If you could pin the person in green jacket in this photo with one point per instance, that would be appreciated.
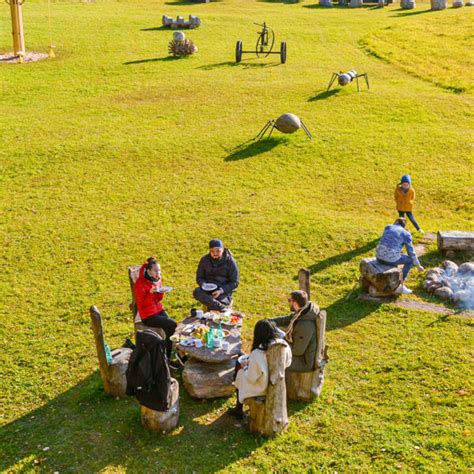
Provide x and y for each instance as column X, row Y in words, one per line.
column 300, row 331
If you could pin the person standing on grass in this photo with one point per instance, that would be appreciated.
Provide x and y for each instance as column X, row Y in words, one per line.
column 149, row 293
column 217, row 276
column 405, row 198
column 389, row 250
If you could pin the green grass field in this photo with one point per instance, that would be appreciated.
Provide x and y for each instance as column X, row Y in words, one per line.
column 113, row 152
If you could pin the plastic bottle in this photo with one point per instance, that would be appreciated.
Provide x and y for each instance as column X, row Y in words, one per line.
column 220, row 332
column 108, row 354
column 210, row 339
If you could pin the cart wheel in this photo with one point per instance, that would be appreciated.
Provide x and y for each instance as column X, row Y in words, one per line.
column 283, row 52
column 238, row 51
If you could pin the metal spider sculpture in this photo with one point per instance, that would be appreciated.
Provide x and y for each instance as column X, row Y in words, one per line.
column 343, row 78
column 286, row 123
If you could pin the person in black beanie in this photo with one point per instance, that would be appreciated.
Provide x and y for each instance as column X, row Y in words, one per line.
column 217, row 276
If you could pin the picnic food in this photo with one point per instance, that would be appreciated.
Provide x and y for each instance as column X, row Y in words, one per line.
column 201, row 332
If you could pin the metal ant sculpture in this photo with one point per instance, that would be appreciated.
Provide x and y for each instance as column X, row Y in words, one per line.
column 346, row 77
column 286, row 123
column 264, row 46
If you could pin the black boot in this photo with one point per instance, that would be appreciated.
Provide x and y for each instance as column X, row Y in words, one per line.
column 237, row 411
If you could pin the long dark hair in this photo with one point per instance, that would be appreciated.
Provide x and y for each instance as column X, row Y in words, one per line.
column 263, row 334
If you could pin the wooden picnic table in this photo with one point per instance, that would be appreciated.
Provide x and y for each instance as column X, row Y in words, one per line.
column 209, row 373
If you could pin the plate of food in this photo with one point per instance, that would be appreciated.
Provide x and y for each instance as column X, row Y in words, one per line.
column 188, row 342
column 164, row 289
column 176, row 338
column 221, row 318
column 209, row 287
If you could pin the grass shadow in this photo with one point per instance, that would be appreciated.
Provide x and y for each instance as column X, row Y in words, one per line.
column 84, row 430
column 242, row 64
column 343, row 257
column 153, row 60
column 182, row 2
column 247, row 150
column 324, row 95
column 403, row 13
column 157, row 28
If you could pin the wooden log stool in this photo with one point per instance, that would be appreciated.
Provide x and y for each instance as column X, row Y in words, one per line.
column 450, row 242
column 163, row 421
column 209, row 380
column 113, row 374
column 133, row 273
column 378, row 279
column 269, row 415
column 307, row 385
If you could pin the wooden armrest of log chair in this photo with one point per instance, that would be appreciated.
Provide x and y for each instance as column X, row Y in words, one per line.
column 113, row 374
column 307, row 385
column 269, row 415
column 163, row 420
column 133, row 273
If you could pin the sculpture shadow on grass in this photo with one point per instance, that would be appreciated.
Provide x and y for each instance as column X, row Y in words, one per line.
column 253, row 148
column 324, row 95
column 153, row 60
column 182, row 2
column 401, row 12
column 242, row 64
column 84, row 430
column 157, row 28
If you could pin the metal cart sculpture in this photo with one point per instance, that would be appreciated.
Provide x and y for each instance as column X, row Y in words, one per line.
column 286, row 123
column 346, row 77
column 264, row 46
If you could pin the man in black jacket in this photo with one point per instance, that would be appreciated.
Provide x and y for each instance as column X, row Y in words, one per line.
column 217, row 276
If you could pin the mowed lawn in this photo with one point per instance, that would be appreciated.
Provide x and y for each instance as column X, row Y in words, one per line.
column 113, row 152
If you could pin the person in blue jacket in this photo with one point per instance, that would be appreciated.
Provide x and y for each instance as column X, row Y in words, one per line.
column 217, row 276
column 389, row 250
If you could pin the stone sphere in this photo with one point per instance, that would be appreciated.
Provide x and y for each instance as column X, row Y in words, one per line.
column 466, row 268
column 179, row 36
column 444, row 293
column 288, row 123
column 344, row 79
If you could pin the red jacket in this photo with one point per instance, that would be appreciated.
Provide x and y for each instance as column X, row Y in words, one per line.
column 148, row 303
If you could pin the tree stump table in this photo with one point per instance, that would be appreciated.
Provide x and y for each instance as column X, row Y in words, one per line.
column 209, row 373
column 154, row 420
column 378, row 279
column 113, row 374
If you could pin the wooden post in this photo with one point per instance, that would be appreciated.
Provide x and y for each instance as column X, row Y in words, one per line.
column 270, row 417
column 17, row 27
column 114, row 374
column 304, row 279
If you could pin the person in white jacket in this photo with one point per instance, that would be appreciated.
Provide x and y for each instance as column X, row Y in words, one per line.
column 252, row 371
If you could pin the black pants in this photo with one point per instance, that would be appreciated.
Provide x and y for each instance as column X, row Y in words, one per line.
column 411, row 217
column 163, row 321
column 207, row 299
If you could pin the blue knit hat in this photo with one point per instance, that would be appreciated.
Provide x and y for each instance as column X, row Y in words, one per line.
column 216, row 243
column 406, row 179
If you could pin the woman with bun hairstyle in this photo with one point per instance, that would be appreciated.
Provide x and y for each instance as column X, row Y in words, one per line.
column 149, row 296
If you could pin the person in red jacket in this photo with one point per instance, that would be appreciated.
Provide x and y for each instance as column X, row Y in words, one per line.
column 149, row 294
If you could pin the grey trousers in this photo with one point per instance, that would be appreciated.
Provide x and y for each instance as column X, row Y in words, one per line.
column 206, row 299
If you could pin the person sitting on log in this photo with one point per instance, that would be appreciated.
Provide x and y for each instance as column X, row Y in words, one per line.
column 251, row 372
column 389, row 250
column 300, row 331
column 149, row 295
column 217, row 276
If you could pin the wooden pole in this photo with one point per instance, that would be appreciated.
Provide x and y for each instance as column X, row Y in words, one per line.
column 96, row 322
column 17, row 27
column 304, row 277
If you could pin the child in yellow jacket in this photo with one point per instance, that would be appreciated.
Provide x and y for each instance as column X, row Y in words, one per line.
column 405, row 198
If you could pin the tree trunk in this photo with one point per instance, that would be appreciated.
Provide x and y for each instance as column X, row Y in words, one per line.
column 304, row 275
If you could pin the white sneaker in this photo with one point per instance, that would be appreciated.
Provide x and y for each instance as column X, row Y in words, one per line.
column 421, row 231
column 406, row 291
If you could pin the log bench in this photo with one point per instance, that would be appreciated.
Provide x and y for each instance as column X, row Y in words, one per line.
column 378, row 279
column 268, row 415
column 163, row 421
column 455, row 241
column 307, row 385
column 113, row 374
column 133, row 273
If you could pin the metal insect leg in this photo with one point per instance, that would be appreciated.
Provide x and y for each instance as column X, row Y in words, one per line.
column 271, row 130
column 265, row 128
column 366, row 76
column 333, row 78
column 305, row 128
column 357, row 80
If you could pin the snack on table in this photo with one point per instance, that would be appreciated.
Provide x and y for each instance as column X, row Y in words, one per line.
column 201, row 332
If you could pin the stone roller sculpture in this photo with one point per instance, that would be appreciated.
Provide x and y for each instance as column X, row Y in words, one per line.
column 286, row 123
